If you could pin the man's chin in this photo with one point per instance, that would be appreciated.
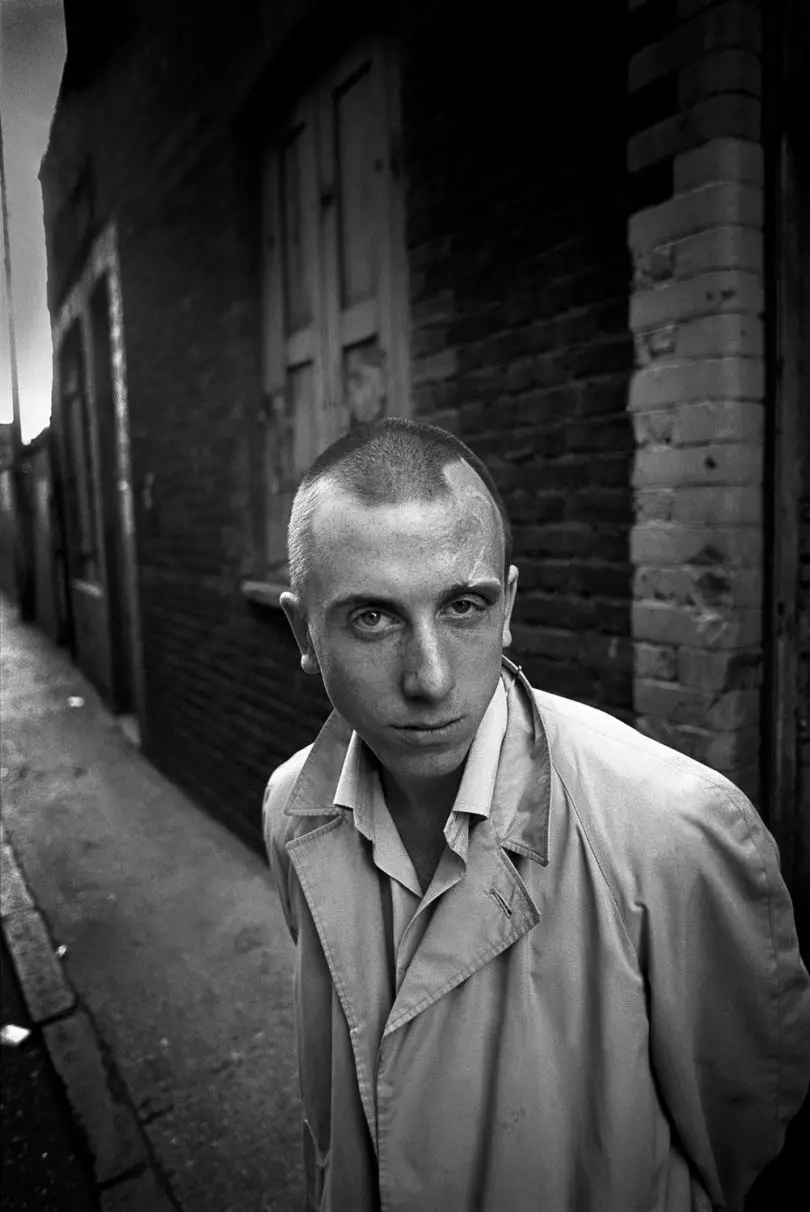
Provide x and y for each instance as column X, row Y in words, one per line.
column 426, row 762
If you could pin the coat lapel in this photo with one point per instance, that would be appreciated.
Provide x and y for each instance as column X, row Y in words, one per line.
column 342, row 889
column 487, row 911
column 473, row 922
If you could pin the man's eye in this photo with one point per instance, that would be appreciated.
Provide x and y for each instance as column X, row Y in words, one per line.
column 370, row 620
column 463, row 608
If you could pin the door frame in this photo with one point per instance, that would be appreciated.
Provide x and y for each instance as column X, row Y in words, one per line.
column 787, row 166
column 103, row 261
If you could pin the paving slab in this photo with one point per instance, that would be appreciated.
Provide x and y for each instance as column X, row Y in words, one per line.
column 105, row 1117
column 47, row 993
column 14, row 895
column 142, row 1193
column 177, row 953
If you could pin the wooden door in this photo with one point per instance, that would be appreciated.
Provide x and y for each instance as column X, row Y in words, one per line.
column 293, row 336
column 355, row 169
column 334, row 329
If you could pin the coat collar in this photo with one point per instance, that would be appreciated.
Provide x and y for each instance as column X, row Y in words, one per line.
column 475, row 920
column 520, row 801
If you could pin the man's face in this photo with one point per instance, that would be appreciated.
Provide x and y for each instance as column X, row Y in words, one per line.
column 406, row 618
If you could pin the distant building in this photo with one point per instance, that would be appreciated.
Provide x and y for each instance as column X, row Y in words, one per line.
column 571, row 234
column 8, row 580
column 6, row 444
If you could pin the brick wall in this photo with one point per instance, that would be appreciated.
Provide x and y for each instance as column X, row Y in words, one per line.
column 696, row 398
column 514, row 156
column 517, row 209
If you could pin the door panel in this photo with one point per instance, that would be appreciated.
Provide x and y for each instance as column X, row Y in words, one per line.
column 293, row 329
column 355, row 162
column 356, row 152
column 334, row 325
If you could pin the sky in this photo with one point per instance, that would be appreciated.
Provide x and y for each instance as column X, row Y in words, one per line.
column 32, row 53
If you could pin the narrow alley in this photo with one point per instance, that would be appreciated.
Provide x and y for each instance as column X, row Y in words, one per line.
column 161, row 984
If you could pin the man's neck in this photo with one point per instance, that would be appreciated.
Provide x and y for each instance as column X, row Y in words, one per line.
column 419, row 810
column 423, row 801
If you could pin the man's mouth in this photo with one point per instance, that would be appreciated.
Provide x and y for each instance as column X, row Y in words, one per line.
column 428, row 730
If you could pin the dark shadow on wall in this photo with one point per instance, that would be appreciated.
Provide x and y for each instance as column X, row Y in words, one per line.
column 518, row 203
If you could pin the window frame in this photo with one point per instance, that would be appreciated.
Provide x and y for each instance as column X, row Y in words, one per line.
column 315, row 105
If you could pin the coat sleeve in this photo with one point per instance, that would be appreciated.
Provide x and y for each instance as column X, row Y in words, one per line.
column 729, row 998
column 273, row 828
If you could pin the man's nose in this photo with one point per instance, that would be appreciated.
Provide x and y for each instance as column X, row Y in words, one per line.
column 428, row 672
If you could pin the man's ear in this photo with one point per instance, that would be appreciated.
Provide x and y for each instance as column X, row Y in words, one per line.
column 509, row 594
column 292, row 607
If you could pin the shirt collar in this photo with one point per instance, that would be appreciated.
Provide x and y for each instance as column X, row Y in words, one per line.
column 359, row 781
column 521, row 801
column 478, row 781
column 357, row 786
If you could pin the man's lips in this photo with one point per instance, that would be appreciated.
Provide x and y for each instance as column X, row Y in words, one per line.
column 426, row 725
column 425, row 729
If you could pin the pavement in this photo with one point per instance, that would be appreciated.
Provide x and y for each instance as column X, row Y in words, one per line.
column 46, row 1163
column 150, row 963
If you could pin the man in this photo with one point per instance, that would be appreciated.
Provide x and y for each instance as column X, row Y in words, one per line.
column 542, row 962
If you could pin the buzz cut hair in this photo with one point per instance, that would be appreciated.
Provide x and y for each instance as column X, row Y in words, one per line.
column 385, row 462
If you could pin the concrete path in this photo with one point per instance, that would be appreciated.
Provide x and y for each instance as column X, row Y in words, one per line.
column 152, row 952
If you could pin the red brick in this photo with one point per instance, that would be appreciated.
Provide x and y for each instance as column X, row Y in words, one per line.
column 721, row 25
column 442, row 365
column 681, row 382
column 721, row 159
column 596, row 578
column 439, row 309
column 718, row 671
column 729, row 114
column 700, row 424
column 655, row 505
column 696, row 708
column 712, row 421
column 733, row 70
column 709, row 506
column 607, row 504
column 556, row 643
column 722, row 291
column 725, row 247
column 718, row 465
column 707, row 337
column 699, row 587
column 428, row 340
column 660, row 543
column 660, row 622
column 656, row 661
column 554, row 540
column 720, row 204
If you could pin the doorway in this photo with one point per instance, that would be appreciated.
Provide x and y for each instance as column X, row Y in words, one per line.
column 123, row 654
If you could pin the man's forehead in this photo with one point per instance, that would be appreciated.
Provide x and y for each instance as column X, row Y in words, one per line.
column 466, row 502
column 460, row 527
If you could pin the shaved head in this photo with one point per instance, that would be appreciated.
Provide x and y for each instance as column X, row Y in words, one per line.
column 408, row 597
column 391, row 462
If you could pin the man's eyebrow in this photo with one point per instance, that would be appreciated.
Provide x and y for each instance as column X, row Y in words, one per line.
column 485, row 585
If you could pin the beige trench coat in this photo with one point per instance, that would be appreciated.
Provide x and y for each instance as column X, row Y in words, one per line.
column 608, row 1013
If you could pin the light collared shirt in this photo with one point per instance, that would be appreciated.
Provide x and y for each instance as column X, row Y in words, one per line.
column 359, row 791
